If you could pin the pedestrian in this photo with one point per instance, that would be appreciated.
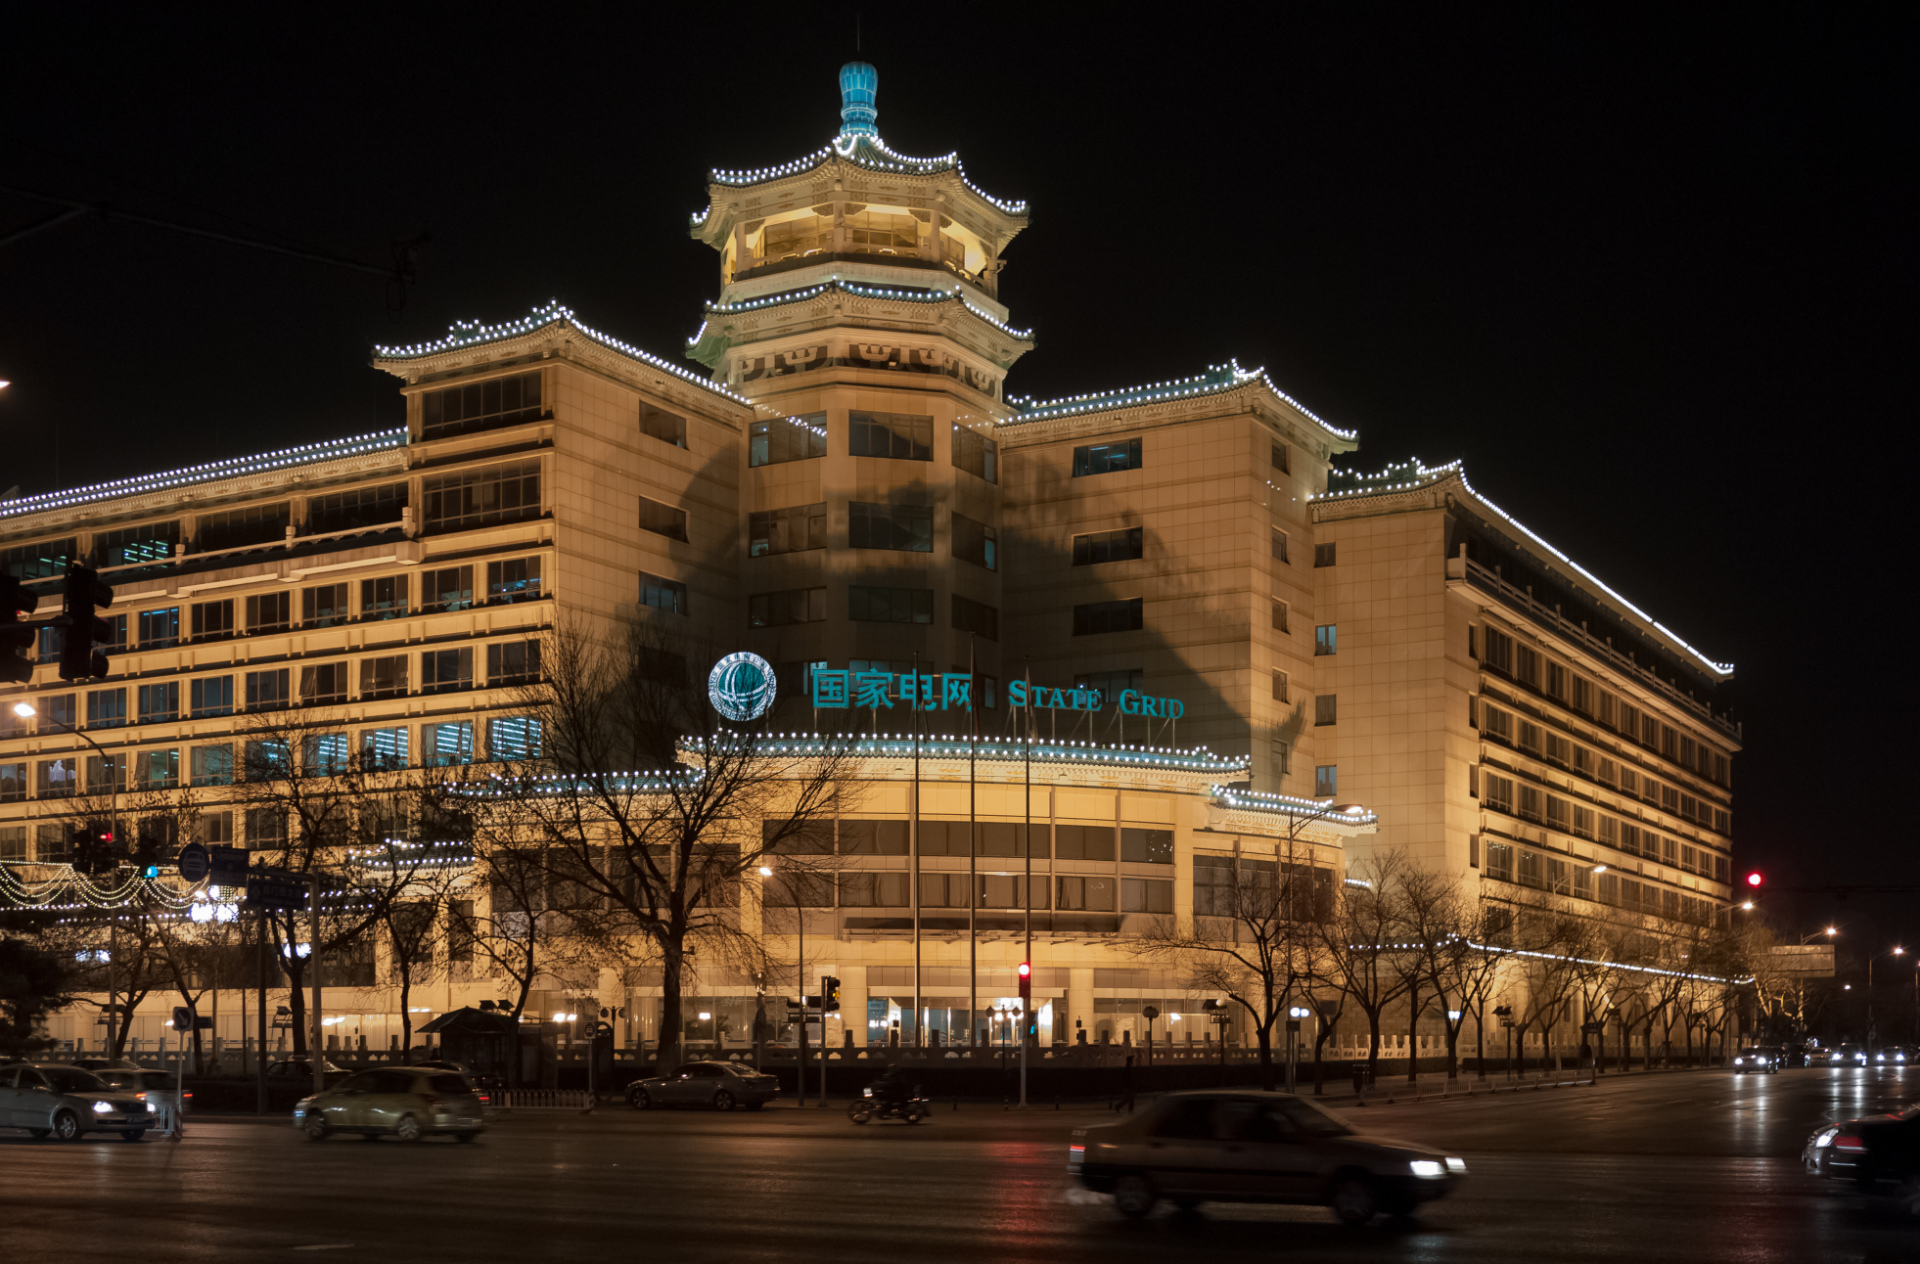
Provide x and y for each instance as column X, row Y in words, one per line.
column 1125, row 1101
column 1586, row 1056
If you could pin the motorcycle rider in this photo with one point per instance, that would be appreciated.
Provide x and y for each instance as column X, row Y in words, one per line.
column 892, row 1092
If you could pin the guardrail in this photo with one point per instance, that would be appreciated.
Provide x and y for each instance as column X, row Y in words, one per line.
column 545, row 1099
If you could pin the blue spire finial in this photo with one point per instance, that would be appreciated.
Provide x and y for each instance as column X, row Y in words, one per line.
column 859, row 82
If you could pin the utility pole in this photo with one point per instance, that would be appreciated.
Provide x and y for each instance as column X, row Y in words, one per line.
column 913, row 847
column 973, row 850
column 1026, row 1003
column 315, row 1052
column 260, row 1060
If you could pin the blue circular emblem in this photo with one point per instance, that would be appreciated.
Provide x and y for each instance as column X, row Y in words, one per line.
column 741, row 686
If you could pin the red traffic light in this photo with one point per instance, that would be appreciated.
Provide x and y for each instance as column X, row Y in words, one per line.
column 1026, row 969
column 1753, row 879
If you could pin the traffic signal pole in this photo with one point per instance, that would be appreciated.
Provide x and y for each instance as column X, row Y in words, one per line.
column 314, row 1051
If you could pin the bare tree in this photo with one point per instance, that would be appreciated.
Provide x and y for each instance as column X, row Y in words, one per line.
column 1361, row 941
column 1551, row 940
column 652, row 807
column 1253, row 940
column 1450, row 945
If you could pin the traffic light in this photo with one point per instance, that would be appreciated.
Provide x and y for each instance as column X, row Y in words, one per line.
column 1026, row 986
column 15, row 636
column 1754, row 879
column 829, row 995
column 85, row 594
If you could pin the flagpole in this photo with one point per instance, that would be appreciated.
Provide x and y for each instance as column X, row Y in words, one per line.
column 973, row 846
column 1026, row 1011
column 913, row 837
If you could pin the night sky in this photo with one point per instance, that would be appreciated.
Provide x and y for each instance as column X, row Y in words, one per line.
column 1650, row 276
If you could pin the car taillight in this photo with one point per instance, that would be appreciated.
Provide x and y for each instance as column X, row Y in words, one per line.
column 486, row 1099
column 1076, row 1153
column 139, row 1097
column 1846, row 1141
column 187, row 1096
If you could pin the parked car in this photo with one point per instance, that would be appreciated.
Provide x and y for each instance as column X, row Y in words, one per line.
column 106, row 1064
column 721, row 1085
column 52, row 1099
column 1759, row 1059
column 1250, row 1147
column 489, row 1087
column 1875, row 1152
column 405, row 1102
column 302, row 1069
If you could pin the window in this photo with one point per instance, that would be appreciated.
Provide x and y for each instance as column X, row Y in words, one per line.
column 212, row 695
column 266, row 759
column 1083, row 842
column 1530, row 874
column 790, row 606
column 1583, row 821
column 270, row 612
column 1106, row 458
column 1146, row 895
column 976, row 617
column 1279, row 686
column 1326, row 708
column 450, row 588
column 1123, row 545
column 501, row 401
column 1500, row 861
column 1279, row 615
column 658, row 423
column 1530, row 736
column 1097, row 617
column 1526, row 665
column 160, row 701
column 976, row 454
column 130, row 546
column 13, row 844
column 1559, row 749
column 266, row 828
column 977, row 542
column 1278, row 542
column 794, row 529
column 1326, row 781
column 1146, row 846
column 239, row 528
column 115, row 637
column 1323, row 554
column 1499, row 651
column 56, row 778
column 443, row 670
column 52, row 641
column 902, row 528
column 1498, row 793
column 211, row 765
column 159, row 627
column 889, row 605
column 1326, row 640
column 900, row 436
column 323, row 684
column 46, row 560
column 513, row 737
column 106, row 708
column 13, row 783
column 1558, row 816
column 325, row 606
column 783, row 439
column 873, row 890
column 54, row 845
column 1007, row 891
column 1110, row 684
column 324, row 754
column 476, row 498
column 662, row 519
column 383, row 598
column 357, row 509
column 383, row 677
column 267, row 690
column 1213, row 886
column 442, row 745
column 60, row 710
column 1085, row 895
column 383, row 750
column 663, row 594
column 213, row 828
column 1497, row 723
column 1282, row 458
column 106, row 775
column 516, row 579
column 1557, row 686
column 513, row 662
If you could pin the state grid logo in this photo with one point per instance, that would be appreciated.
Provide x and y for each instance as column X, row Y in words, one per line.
column 741, row 686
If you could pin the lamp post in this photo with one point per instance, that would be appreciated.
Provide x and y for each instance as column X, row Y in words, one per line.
column 1896, row 952
column 800, row 979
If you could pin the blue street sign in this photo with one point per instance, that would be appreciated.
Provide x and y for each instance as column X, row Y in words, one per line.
column 193, row 862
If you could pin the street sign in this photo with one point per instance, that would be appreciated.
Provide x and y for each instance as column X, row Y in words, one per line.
column 603, row 1031
column 193, row 862
column 182, row 1018
column 1593, row 1029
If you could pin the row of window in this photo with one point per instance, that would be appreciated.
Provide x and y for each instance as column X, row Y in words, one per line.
column 1071, row 894
column 1525, row 665
column 321, row 754
column 1228, row 886
column 1563, row 877
column 452, row 502
column 1136, row 845
column 892, row 436
column 1545, row 744
column 1532, row 803
column 271, row 689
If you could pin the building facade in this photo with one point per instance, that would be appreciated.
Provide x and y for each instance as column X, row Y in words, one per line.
column 1232, row 634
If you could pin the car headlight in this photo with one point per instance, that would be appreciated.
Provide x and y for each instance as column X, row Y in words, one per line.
column 103, row 1108
column 1427, row 1168
column 866, row 1092
column 1457, row 1166
column 1824, row 1138
column 1739, row 1062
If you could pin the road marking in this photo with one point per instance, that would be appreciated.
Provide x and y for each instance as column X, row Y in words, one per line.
column 327, row 1246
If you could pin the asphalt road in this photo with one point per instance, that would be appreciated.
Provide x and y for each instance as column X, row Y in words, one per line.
column 1691, row 1167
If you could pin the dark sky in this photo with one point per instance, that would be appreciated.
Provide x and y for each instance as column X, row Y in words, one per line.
column 1650, row 274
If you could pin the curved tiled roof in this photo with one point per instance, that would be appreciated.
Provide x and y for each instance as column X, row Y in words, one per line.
column 1217, row 378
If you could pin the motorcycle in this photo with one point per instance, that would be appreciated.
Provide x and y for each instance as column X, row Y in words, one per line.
column 867, row 1106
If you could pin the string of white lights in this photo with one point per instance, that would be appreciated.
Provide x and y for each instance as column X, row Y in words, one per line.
column 1217, row 378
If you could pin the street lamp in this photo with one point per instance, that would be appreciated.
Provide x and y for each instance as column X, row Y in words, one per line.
column 1898, row 951
column 800, row 974
column 27, row 711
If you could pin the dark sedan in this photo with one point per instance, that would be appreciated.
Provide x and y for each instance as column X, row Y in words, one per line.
column 1253, row 1147
column 720, row 1085
column 1877, row 1153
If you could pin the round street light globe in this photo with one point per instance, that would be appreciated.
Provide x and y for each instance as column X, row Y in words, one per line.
column 24, row 710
